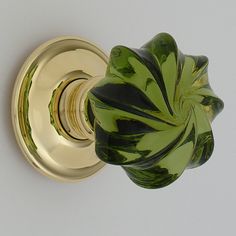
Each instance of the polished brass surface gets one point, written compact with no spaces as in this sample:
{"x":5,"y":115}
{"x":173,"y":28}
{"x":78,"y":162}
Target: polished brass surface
{"x":48,"y":107}
{"x":72,"y":114}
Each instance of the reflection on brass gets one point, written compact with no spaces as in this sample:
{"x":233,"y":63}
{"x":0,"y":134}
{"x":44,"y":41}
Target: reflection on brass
{"x":48,"y":107}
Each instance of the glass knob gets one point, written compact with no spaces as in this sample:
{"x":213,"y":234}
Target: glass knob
{"x":153,"y":112}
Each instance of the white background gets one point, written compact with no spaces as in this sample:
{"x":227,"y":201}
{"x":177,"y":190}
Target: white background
{"x":201,"y":202}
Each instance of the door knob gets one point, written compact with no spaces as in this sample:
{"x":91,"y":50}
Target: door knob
{"x":147,"y":110}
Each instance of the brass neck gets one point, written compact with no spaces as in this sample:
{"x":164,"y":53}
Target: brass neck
{"x":72,"y":109}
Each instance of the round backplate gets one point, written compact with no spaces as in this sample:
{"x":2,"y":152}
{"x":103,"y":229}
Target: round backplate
{"x":49,"y":66}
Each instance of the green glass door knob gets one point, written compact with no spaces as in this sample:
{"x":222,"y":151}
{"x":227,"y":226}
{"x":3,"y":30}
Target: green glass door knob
{"x":148,"y":110}
{"x":153,"y":112}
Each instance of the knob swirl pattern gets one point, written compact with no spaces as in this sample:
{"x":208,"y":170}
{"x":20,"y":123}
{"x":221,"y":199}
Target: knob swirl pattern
{"x":152,"y":112}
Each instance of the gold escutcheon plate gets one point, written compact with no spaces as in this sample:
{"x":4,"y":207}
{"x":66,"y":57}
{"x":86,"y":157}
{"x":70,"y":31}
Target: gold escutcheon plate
{"x":48,"y":69}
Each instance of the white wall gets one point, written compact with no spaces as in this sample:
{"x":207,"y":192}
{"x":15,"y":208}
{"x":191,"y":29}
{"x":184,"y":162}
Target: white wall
{"x":201,"y":202}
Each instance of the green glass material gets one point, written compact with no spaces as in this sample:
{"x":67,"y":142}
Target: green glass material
{"x":152,"y":112}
